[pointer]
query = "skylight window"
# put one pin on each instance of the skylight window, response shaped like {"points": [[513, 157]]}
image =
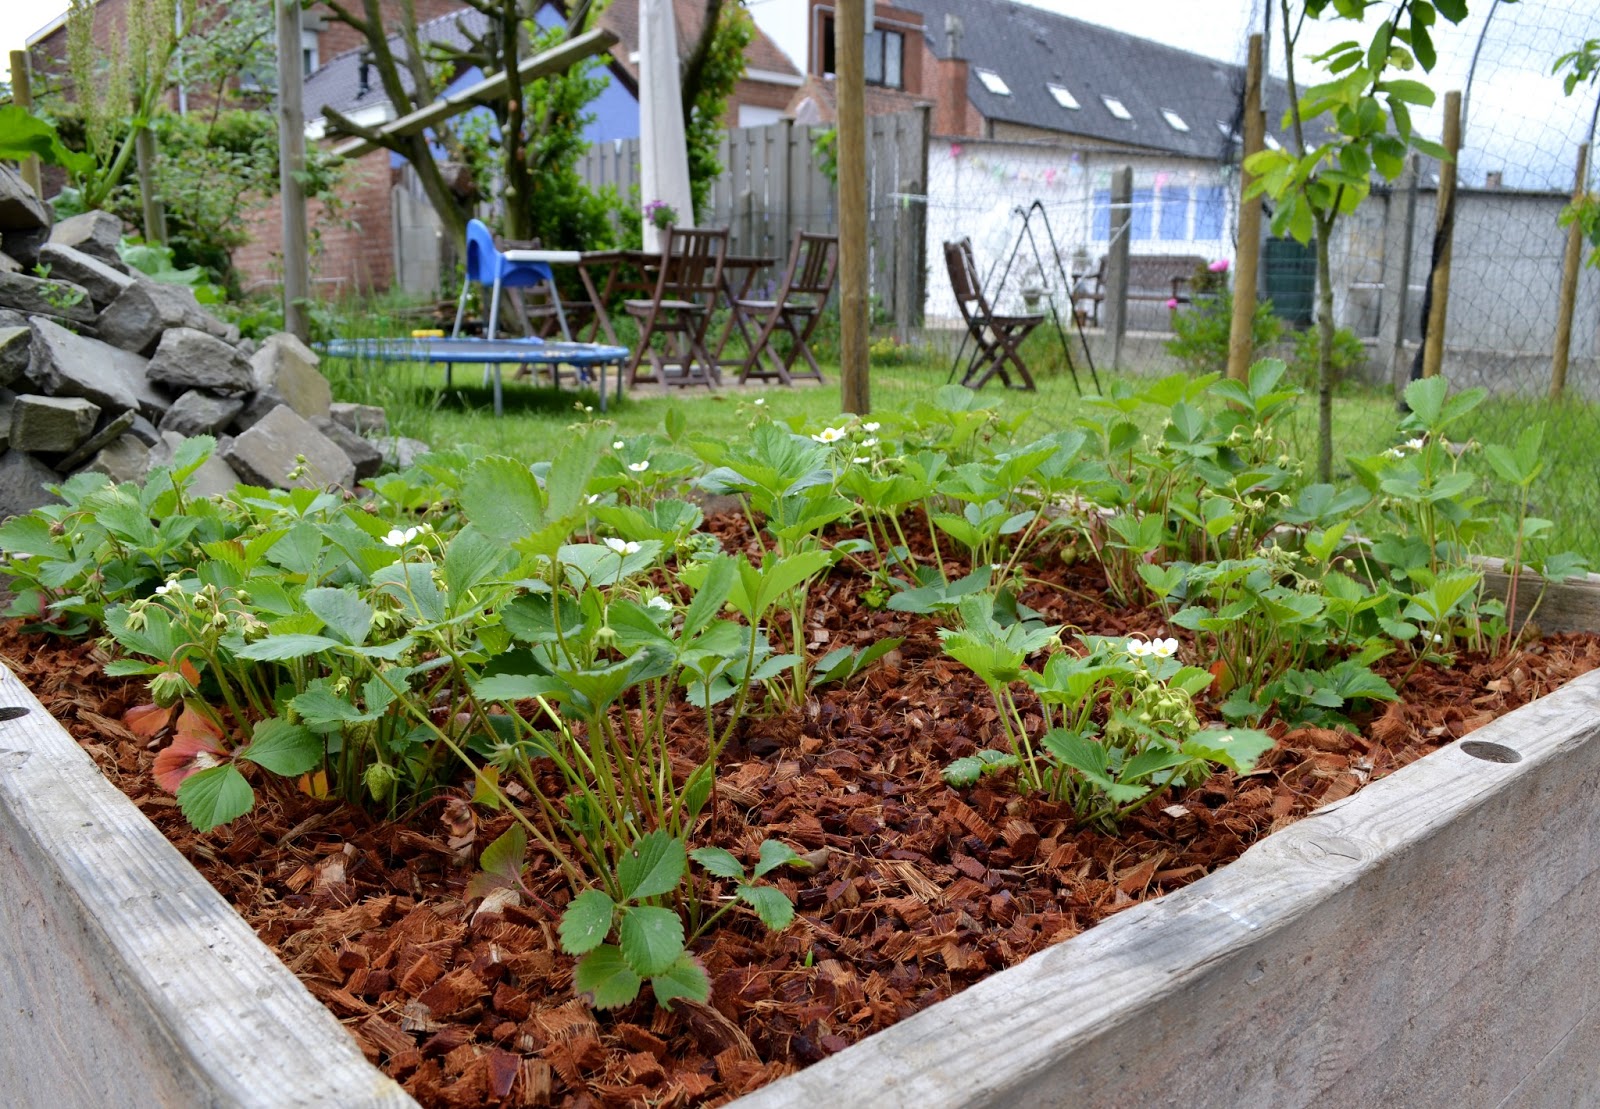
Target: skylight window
{"points": [[992, 81], [1174, 120], [1064, 97], [1117, 107]]}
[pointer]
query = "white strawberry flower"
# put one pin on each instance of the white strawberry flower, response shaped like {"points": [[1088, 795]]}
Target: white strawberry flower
{"points": [[1415, 444], [639, 467], [659, 603], [870, 426], [861, 459], [759, 401], [869, 442], [618, 445], [622, 546], [1163, 648], [1138, 648], [829, 435], [398, 538]]}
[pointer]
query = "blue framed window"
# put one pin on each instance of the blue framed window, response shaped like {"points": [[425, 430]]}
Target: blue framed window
{"points": [[1209, 209], [1174, 225], [1144, 215], [1100, 215]]}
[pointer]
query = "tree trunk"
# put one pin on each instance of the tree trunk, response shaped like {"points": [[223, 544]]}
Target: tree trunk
{"points": [[694, 69], [1324, 352]]}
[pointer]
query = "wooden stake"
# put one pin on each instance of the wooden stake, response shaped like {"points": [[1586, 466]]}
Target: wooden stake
{"points": [[291, 164], [22, 97], [1241, 330], [849, 51], [1569, 283], [1444, 226]]}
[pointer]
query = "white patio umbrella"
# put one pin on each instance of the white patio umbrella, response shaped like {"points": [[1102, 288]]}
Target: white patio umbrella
{"points": [[663, 152]]}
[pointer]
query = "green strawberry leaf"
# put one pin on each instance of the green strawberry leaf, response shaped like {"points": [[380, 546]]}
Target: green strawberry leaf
{"points": [[606, 979], [651, 938], [284, 748], [684, 978], [654, 865], [771, 904], [215, 796], [586, 922]]}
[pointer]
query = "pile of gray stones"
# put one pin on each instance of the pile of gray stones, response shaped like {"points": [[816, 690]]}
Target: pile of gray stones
{"points": [[105, 369]]}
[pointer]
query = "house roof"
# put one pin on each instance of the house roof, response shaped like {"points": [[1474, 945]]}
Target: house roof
{"points": [[337, 84], [1029, 50]]}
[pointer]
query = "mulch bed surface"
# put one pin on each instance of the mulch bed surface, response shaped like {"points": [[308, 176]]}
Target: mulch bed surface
{"points": [[919, 890]]}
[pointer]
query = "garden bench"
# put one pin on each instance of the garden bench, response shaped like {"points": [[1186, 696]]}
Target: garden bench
{"points": [[1158, 277]]}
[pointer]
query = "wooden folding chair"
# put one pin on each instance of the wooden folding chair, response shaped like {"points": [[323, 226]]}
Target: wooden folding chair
{"points": [[687, 284], [995, 338], [796, 309]]}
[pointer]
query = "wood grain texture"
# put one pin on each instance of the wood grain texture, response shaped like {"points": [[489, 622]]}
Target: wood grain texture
{"points": [[124, 977], [1427, 941], [1567, 606]]}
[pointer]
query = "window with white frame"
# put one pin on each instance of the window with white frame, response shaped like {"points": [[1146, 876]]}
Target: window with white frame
{"points": [[1063, 96], [1116, 107], [1174, 120], [992, 81]]}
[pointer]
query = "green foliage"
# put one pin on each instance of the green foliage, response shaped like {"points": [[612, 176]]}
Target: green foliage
{"points": [[1346, 354], [23, 135], [1200, 332]]}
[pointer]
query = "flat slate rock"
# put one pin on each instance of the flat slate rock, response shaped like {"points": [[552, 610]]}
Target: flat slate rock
{"points": [[46, 295], [199, 413], [16, 350], [127, 459], [95, 233], [288, 367], [52, 424], [104, 282], [400, 452], [190, 359], [136, 320], [66, 365], [22, 484], [266, 454], [363, 454], [363, 419], [23, 245], [108, 434], [20, 207]]}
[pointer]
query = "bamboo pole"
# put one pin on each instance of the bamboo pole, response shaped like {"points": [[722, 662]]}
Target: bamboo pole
{"points": [[1444, 227], [1241, 329], [849, 51], [291, 166], [1569, 283], [22, 97]]}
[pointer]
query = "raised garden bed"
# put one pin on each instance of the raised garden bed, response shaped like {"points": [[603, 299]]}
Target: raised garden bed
{"points": [[946, 776]]}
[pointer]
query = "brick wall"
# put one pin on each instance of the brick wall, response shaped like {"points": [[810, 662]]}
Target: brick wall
{"points": [[351, 249]]}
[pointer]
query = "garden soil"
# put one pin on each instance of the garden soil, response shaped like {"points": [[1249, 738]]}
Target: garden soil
{"points": [[917, 891]]}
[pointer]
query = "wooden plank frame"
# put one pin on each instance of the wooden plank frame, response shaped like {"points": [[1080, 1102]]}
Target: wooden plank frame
{"points": [[126, 979], [1428, 941]]}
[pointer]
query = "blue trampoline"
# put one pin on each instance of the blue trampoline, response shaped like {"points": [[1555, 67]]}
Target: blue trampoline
{"points": [[582, 357]]}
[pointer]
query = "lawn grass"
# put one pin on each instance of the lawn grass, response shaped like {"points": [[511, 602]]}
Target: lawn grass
{"points": [[538, 417]]}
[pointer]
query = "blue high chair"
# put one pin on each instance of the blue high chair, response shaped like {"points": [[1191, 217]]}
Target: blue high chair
{"points": [[486, 265]]}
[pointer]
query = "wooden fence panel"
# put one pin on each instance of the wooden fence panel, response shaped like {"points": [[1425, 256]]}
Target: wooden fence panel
{"points": [[771, 187]]}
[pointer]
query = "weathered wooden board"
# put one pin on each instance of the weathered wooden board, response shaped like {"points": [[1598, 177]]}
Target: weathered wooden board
{"points": [[1429, 941], [125, 979], [1567, 606]]}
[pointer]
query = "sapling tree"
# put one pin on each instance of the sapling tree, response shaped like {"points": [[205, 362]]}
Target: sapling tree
{"points": [[1348, 128]]}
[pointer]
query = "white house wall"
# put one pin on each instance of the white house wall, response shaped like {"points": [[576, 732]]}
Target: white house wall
{"points": [[975, 187]]}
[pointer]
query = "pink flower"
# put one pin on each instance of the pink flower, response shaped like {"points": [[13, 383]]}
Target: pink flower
{"points": [[1219, 266], [1172, 304]]}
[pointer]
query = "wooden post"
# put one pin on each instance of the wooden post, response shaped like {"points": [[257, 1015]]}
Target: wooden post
{"points": [[291, 164], [907, 259], [1569, 283], [849, 51], [155, 217], [1399, 364], [1444, 226], [1115, 309], [22, 97], [1241, 330]]}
